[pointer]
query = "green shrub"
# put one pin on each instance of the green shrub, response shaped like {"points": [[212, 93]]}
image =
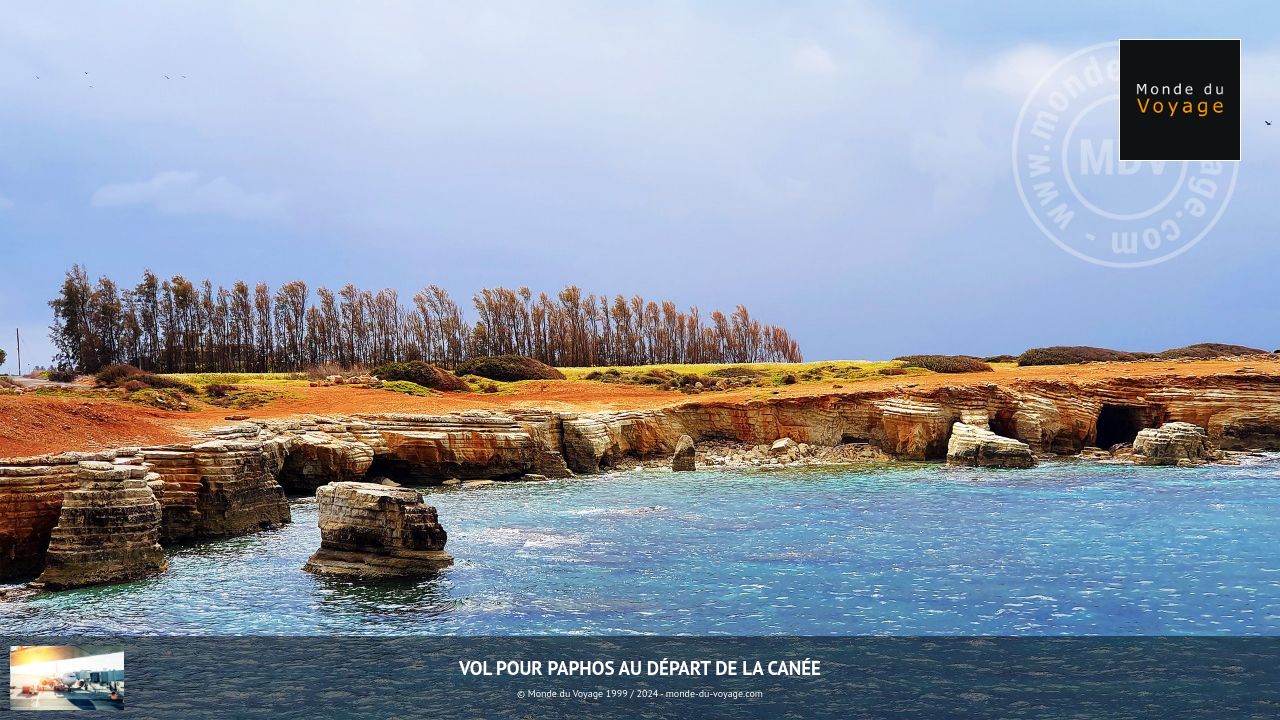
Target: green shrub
{"points": [[509, 368], [737, 371], [121, 374], [165, 399], [423, 374], [1210, 350], [1073, 354], [115, 375], [168, 383], [893, 371], [657, 376], [218, 390], [1000, 359], [61, 376], [692, 379], [407, 387], [945, 363]]}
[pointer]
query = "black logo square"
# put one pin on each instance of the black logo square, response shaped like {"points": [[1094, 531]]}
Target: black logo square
{"points": [[1179, 99]]}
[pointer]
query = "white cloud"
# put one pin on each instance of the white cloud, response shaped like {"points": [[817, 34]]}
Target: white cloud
{"points": [[1014, 72], [185, 193], [815, 60]]}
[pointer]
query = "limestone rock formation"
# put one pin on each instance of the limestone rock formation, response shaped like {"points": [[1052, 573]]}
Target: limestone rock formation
{"points": [[597, 441], [783, 446], [108, 530], [979, 447], [432, 448], [546, 430], [228, 482], [220, 488], [31, 492], [372, 531], [315, 459], [1175, 443], [683, 460]]}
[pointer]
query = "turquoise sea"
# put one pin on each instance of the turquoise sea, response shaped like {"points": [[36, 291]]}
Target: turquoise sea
{"points": [[1067, 548]]}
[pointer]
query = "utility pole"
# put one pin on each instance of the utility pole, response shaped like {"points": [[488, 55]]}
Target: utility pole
{"points": [[18, 334]]}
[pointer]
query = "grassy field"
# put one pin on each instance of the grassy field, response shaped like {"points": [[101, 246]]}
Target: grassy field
{"points": [[760, 373], [277, 380], [250, 390]]}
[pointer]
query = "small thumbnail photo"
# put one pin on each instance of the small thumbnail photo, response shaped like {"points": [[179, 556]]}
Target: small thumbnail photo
{"points": [[66, 677]]}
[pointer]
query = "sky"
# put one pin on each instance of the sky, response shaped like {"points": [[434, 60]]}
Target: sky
{"points": [[841, 168]]}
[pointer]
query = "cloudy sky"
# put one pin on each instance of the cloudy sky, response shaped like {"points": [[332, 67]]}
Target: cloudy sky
{"points": [[841, 168]]}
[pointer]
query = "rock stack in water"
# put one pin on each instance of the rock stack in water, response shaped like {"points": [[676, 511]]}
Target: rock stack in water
{"points": [[108, 531], [683, 459], [979, 447], [1175, 443], [373, 531]]}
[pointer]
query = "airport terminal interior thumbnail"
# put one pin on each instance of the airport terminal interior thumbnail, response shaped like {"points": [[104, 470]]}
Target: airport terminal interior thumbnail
{"points": [[66, 677]]}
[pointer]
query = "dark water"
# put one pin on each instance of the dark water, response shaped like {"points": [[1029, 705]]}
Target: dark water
{"points": [[1066, 548]]}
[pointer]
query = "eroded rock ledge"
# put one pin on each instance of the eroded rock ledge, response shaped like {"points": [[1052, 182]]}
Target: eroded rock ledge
{"points": [[233, 480]]}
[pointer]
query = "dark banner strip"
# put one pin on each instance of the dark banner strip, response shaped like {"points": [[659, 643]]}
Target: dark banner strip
{"points": [[631, 677]]}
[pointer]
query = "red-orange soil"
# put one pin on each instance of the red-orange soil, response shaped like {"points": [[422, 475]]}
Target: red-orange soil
{"points": [[32, 424]]}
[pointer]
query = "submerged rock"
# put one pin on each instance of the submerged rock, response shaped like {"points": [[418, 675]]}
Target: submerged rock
{"points": [[978, 447], [683, 460], [1175, 443], [108, 530], [373, 531]]}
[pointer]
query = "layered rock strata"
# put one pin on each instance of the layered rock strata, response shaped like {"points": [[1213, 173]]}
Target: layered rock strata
{"points": [[1175, 443], [428, 449], [374, 531], [220, 488], [230, 480], [31, 493], [108, 529], [979, 447]]}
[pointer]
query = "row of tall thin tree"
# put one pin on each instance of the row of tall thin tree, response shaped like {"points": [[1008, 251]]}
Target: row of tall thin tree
{"points": [[177, 325]]}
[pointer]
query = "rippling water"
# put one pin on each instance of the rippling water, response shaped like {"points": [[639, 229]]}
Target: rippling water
{"points": [[1065, 548]]}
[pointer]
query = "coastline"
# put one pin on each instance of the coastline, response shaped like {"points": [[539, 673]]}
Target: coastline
{"points": [[233, 479]]}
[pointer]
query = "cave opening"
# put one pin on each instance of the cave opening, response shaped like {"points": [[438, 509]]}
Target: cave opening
{"points": [[1003, 424], [1119, 424]]}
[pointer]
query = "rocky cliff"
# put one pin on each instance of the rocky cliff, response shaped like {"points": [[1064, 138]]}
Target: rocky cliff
{"points": [[31, 493], [234, 480], [108, 529]]}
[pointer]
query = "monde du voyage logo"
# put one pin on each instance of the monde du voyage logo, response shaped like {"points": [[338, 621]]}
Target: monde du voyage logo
{"points": [[1125, 152]]}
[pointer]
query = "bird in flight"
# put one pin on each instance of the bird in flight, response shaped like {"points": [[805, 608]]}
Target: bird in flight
{"points": [[166, 77], [1267, 122]]}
